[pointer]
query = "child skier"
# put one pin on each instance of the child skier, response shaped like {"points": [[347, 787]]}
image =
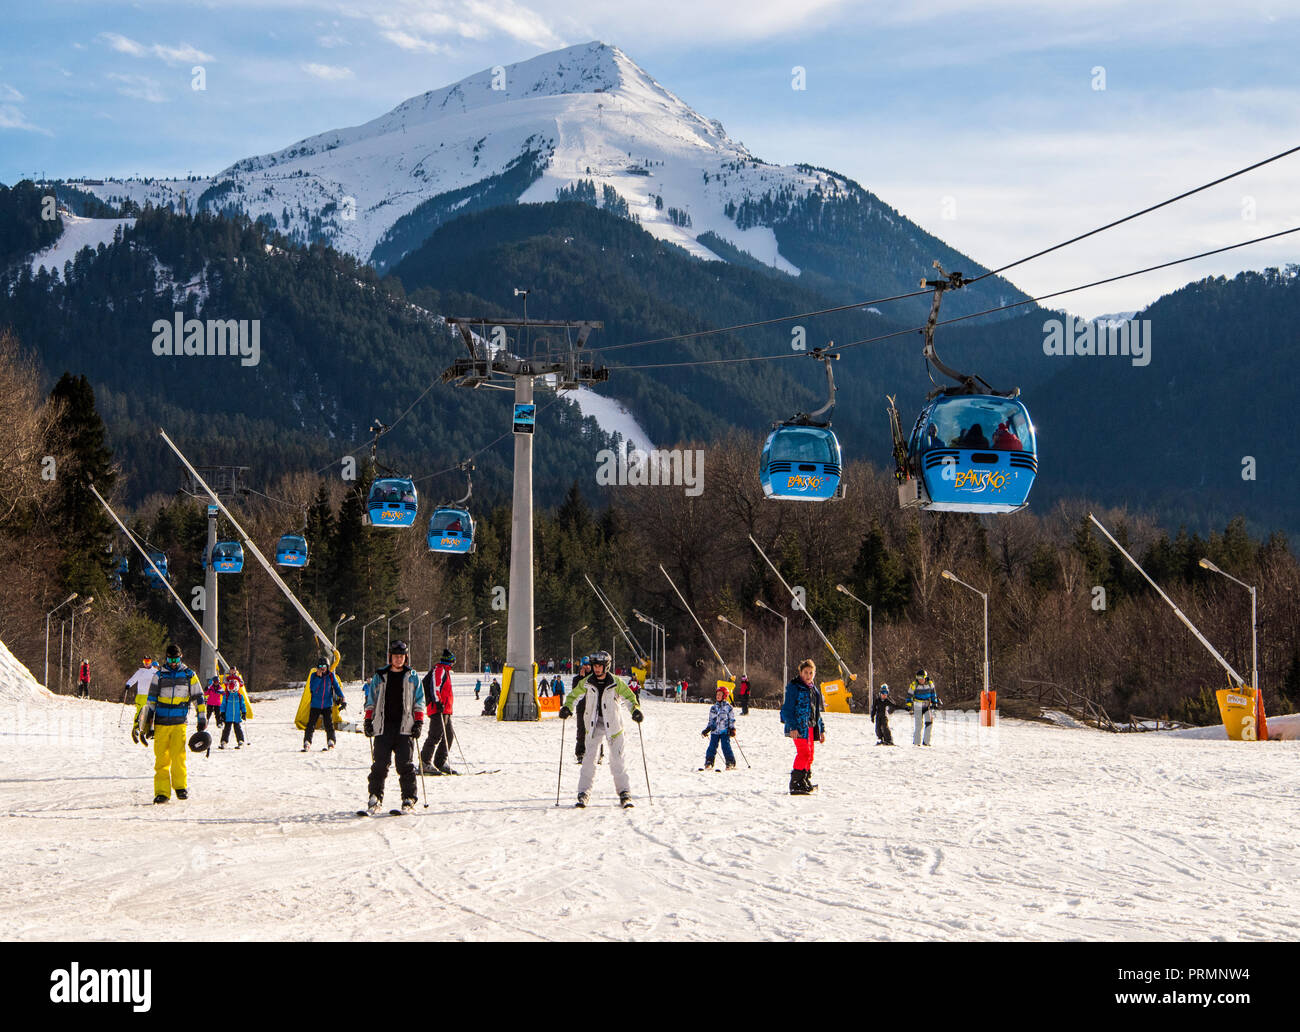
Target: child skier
{"points": [[212, 697], [801, 713], [478, 687], [922, 698], [166, 710], [881, 707], [720, 728], [235, 683], [323, 683], [604, 719], [394, 717], [234, 710], [438, 693]]}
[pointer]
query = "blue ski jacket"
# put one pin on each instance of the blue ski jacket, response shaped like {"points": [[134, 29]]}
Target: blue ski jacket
{"points": [[802, 708]]}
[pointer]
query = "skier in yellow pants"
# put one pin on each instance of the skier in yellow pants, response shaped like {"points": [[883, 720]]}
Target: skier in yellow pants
{"points": [[167, 710]]}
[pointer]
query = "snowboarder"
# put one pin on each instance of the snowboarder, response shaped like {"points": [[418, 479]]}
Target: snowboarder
{"points": [[323, 683], [394, 717], [438, 693], [720, 728], [166, 710], [801, 713], [922, 698], [604, 719], [493, 697], [881, 706], [212, 698], [234, 710], [580, 748], [83, 680], [742, 691], [138, 685]]}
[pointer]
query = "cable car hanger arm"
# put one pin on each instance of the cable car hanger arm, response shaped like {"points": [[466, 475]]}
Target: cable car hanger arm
{"points": [[970, 383]]}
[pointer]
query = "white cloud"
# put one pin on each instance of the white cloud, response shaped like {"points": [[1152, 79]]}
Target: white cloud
{"points": [[331, 41], [413, 43], [12, 118], [139, 87], [425, 25], [7, 92], [330, 73], [178, 54]]}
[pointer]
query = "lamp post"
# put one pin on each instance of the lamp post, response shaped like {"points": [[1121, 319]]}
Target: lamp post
{"points": [[948, 575], [389, 626], [46, 681], [363, 643], [454, 623], [785, 639], [571, 637], [445, 618], [410, 641], [480, 642], [871, 642], [1205, 564], [468, 631], [660, 635], [744, 655], [343, 619]]}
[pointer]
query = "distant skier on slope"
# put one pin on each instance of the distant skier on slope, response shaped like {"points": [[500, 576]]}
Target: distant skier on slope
{"points": [[394, 717], [881, 707], [326, 693], [212, 696], [167, 709], [83, 680], [801, 714], [922, 698], [742, 695], [601, 691], [721, 728], [138, 685], [439, 699]]}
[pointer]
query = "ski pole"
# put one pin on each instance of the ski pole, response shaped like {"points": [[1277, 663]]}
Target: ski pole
{"points": [[742, 754], [560, 774], [415, 750], [463, 762], [641, 737]]}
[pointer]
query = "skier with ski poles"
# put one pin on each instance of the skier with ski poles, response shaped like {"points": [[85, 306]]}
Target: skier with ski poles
{"points": [[881, 707], [801, 714], [166, 710], [438, 693], [603, 716], [394, 717], [720, 728], [922, 698], [326, 693]]}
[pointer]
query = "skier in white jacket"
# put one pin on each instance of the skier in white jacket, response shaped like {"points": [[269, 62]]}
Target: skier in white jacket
{"points": [[604, 720], [139, 681]]}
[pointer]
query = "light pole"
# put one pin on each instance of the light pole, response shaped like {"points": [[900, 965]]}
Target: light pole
{"points": [[410, 641], [657, 634], [463, 619], [871, 642], [388, 628], [571, 637], [363, 643], [480, 642], [343, 619], [947, 575], [785, 639], [744, 655], [1205, 564], [445, 618], [467, 632], [46, 682]]}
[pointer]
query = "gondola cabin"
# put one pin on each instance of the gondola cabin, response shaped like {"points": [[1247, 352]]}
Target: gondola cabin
{"points": [[393, 502], [801, 464], [228, 557], [159, 560], [452, 531], [291, 551], [971, 453], [117, 571]]}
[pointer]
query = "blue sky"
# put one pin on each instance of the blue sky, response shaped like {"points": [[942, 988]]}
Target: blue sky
{"points": [[979, 121]]}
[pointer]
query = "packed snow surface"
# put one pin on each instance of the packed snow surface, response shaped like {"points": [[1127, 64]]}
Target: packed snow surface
{"points": [[1027, 831], [77, 233]]}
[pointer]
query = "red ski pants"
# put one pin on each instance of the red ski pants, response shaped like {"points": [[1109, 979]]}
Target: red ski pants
{"points": [[803, 751]]}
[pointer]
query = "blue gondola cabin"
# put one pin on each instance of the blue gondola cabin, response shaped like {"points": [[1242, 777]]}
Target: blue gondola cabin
{"points": [[291, 551], [801, 464], [393, 502], [452, 531]]}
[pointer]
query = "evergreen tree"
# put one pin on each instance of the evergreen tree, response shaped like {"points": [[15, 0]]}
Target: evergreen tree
{"points": [[77, 518]]}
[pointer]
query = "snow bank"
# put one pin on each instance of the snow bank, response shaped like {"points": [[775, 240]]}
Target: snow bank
{"points": [[612, 416], [1280, 729], [17, 685], [77, 233]]}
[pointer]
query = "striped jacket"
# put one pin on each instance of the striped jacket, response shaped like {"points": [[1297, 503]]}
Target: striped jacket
{"points": [[170, 695]]}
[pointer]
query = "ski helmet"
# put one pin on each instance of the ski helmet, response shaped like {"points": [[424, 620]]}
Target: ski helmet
{"points": [[884, 689], [397, 648], [601, 657], [721, 691], [921, 674], [586, 661], [447, 656], [200, 741]]}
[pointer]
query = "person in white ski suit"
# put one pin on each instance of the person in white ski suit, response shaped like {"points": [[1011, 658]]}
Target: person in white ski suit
{"points": [[140, 681], [603, 716], [922, 698]]}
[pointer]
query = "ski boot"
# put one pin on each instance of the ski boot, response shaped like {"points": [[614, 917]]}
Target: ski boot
{"points": [[581, 804], [182, 794], [408, 806], [797, 786], [444, 769], [708, 765], [374, 805], [625, 798], [330, 746], [731, 765], [159, 799], [808, 786], [222, 745], [306, 746]]}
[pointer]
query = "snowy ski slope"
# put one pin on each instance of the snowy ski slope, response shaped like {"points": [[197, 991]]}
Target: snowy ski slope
{"points": [[1032, 832]]}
